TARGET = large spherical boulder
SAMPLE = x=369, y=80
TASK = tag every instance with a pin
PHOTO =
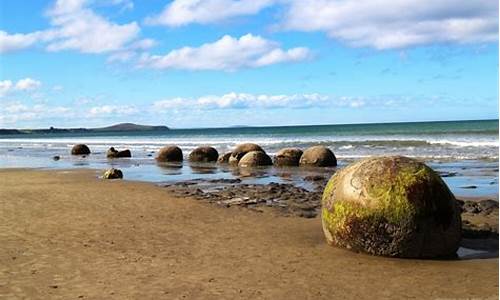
x=80, y=149
x=391, y=206
x=113, y=153
x=112, y=174
x=224, y=158
x=288, y=157
x=255, y=159
x=170, y=154
x=241, y=150
x=204, y=154
x=318, y=156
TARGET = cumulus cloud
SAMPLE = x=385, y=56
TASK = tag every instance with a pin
x=75, y=27
x=183, y=12
x=386, y=24
x=242, y=101
x=227, y=53
x=112, y=110
x=16, y=111
x=26, y=84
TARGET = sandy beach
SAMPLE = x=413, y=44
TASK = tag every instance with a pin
x=70, y=235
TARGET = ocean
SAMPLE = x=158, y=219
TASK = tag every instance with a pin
x=468, y=148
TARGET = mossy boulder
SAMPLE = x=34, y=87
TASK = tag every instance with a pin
x=318, y=156
x=255, y=159
x=224, y=158
x=288, y=157
x=391, y=206
x=241, y=150
x=80, y=149
x=204, y=154
x=170, y=154
x=113, y=153
x=113, y=174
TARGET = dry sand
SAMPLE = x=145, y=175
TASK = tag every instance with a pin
x=69, y=235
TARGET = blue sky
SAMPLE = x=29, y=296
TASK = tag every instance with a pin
x=212, y=63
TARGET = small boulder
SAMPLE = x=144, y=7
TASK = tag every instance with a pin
x=391, y=206
x=80, y=149
x=113, y=153
x=241, y=150
x=204, y=154
x=255, y=159
x=318, y=156
x=113, y=174
x=170, y=154
x=224, y=158
x=56, y=157
x=288, y=157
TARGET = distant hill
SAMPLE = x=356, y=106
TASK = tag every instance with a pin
x=114, y=128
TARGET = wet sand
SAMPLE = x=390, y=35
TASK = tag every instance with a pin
x=70, y=235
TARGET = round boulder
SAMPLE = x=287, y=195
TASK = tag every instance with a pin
x=80, y=149
x=318, y=156
x=255, y=159
x=241, y=150
x=113, y=153
x=170, y=154
x=391, y=206
x=288, y=157
x=224, y=158
x=204, y=154
x=113, y=174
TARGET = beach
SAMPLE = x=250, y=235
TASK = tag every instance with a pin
x=68, y=234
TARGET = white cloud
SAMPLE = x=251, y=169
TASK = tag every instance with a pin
x=242, y=101
x=386, y=24
x=76, y=27
x=183, y=12
x=112, y=110
x=27, y=84
x=13, y=112
x=227, y=53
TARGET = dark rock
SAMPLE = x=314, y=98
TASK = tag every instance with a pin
x=469, y=187
x=56, y=157
x=113, y=153
x=113, y=174
x=80, y=149
x=254, y=159
x=170, y=154
x=224, y=158
x=204, y=154
x=318, y=156
x=241, y=150
x=288, y=157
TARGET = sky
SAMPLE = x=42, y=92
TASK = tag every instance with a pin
x=217, y=63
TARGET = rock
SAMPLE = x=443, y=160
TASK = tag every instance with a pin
x=113, y=174
x=318, y=156
x=56, y=157
x=469, y=187
x=170, y=154
x=80, y=149
x=255, y=159
x=288, y=157
x=224, y=158
x=241, y=150
x=391, y=206
x=204, y=154
x=113, y=153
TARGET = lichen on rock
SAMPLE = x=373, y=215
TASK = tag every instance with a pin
x=391, y=206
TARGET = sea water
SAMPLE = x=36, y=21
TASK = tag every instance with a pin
x=466, y=152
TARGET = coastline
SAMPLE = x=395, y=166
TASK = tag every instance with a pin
x=68, y=234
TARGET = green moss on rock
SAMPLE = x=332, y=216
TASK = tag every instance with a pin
x=393, y=206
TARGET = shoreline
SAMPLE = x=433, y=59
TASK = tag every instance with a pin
x=68, y=234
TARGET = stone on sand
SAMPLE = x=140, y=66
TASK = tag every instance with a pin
x=318, y=156
x=391, y=206
x=170, y=154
